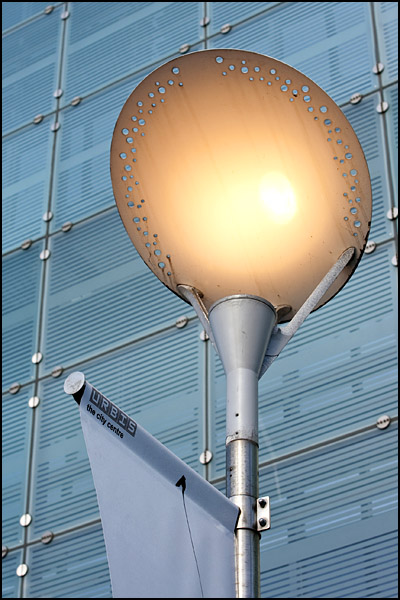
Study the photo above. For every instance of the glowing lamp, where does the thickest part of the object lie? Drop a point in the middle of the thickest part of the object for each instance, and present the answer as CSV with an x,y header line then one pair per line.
x,y
235,174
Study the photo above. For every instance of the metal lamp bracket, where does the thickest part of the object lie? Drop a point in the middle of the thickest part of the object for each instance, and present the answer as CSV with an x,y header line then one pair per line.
x,y
194,296
280,336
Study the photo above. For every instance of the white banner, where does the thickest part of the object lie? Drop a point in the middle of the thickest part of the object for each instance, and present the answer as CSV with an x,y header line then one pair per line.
x,y
168,532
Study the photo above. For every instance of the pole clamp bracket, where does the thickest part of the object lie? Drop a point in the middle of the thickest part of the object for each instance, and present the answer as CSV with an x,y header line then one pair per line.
x,y
253,514
263,514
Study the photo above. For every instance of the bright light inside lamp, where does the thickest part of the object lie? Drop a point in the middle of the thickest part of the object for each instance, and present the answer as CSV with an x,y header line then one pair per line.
x,y
278,197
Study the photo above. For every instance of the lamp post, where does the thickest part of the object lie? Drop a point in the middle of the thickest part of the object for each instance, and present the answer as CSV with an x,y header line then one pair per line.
x,y
245,190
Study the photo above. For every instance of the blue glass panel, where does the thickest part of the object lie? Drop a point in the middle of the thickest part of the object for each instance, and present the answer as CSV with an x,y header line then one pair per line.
x,y
362,569
386,14
26,161
126,38
88,20
20,295
367,123
10,580
63,494
21,107
157,381
100,293
30,78
73,565
14,13
336,375
330,42
333,516
229,13
16,433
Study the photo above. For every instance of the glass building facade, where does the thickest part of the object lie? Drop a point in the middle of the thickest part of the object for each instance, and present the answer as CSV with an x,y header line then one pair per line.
x,y
76,296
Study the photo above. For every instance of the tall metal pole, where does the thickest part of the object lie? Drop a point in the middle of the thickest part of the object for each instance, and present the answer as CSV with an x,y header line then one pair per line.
x,y
242,326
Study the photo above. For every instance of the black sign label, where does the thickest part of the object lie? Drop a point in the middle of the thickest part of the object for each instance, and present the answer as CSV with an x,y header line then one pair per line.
x,y
116,414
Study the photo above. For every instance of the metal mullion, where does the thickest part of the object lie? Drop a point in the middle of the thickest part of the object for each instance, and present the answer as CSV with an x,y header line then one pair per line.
x,y
40,320
66,531
205,16
389,174
50,196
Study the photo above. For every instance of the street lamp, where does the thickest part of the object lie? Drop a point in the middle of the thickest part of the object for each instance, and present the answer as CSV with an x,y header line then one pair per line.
x,y
245,190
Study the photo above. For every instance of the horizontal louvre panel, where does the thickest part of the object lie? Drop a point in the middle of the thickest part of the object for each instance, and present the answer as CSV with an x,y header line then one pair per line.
x,y
36,140
121,47
380,227
229,13
366,122
337,395
18,340
99,293
393,96
321,499
10,579
88,21
72,566
26,158
15,13
22,218
63,494
331,487
336,375
41,35
367,569
30,77
330,42
20,296
161,376
28,97
16,433
84,185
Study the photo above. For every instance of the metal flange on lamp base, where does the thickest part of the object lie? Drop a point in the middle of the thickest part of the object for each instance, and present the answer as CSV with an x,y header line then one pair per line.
x,y
242,326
